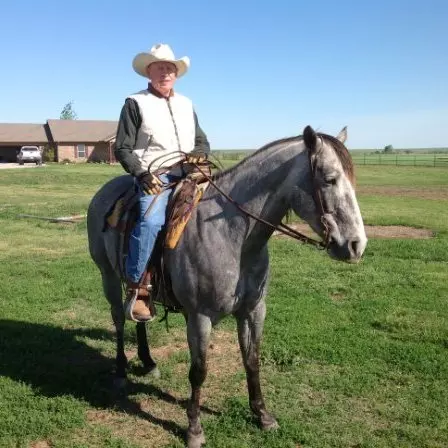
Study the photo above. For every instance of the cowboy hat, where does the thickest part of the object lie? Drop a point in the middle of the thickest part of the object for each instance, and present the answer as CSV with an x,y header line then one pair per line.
x,y
160,52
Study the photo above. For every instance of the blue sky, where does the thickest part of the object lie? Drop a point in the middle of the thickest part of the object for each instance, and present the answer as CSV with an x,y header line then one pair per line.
x,y
260,70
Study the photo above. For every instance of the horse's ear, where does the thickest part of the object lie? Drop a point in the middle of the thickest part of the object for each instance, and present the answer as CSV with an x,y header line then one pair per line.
x,y
309,137
342,136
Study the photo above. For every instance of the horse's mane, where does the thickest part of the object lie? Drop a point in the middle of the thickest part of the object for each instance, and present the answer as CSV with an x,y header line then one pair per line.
x,y
343,155
339,148
249,158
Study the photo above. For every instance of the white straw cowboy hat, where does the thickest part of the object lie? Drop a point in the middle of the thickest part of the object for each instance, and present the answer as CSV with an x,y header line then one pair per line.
x,y
160,52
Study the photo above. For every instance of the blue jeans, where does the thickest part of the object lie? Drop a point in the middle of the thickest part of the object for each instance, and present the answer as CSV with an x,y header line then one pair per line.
x,y
144,234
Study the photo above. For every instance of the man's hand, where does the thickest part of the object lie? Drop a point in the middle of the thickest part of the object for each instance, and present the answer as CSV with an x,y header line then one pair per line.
x,y
150,183
196,158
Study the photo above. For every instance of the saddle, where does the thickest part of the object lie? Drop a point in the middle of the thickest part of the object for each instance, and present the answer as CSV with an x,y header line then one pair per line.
x,y
123,217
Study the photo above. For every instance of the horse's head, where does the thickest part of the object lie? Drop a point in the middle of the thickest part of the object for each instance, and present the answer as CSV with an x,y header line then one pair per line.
x,y
335,213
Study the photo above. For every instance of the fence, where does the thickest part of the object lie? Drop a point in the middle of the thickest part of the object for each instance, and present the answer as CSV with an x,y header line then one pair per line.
x,y
363,158
434,160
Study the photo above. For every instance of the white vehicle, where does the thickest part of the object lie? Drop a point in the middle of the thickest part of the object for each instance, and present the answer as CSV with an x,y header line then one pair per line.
x,y
29,154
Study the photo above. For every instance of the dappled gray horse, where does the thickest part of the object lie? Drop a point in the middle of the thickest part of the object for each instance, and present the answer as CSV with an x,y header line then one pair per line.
x,y
221,264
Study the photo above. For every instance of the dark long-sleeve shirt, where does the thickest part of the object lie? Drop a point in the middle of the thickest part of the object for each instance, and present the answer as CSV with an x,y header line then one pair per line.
x,y
128,127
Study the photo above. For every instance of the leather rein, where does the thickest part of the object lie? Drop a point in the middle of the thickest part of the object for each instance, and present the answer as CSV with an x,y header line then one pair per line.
x,y
281,228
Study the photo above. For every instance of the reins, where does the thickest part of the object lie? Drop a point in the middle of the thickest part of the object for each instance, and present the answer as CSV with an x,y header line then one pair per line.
x,y
282,228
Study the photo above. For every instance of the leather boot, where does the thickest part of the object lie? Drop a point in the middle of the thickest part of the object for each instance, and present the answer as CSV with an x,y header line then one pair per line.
x,y
137,304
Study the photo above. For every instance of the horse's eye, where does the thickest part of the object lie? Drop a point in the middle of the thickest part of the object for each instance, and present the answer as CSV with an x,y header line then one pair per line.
x,y
330,181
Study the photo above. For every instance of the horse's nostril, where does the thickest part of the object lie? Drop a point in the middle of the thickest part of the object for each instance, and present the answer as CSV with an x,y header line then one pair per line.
x,y
354,246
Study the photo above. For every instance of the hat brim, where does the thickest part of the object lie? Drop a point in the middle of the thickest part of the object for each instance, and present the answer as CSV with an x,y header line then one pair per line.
x,y
142,60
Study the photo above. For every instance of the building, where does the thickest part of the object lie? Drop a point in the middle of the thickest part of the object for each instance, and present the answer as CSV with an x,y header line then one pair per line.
x,y
82,140
68,140
15,135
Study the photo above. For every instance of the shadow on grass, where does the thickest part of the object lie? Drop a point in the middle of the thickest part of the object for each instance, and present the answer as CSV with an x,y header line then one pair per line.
x,y
55,362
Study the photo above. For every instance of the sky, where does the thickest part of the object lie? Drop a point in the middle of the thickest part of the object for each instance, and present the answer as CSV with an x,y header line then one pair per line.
x,y
260,70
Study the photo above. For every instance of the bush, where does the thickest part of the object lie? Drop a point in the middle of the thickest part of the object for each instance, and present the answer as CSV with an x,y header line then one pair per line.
x,y
48,154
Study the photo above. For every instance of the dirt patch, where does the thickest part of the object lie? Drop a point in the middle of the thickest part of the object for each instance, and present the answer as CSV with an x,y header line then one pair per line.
x,y
224,361
16,165
419,193
158,420
142,431
224,354
337,296
166,351
40,444
375,231
398,232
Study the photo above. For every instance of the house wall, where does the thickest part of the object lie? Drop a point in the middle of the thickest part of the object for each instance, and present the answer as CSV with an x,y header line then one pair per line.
x,y
95,152
99,152
66,152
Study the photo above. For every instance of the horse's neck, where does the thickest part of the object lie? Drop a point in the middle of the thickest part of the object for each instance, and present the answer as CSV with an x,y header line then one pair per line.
x,y
263,185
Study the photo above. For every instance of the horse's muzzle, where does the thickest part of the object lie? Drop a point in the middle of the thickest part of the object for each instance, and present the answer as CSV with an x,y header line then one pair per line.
x,y
350,251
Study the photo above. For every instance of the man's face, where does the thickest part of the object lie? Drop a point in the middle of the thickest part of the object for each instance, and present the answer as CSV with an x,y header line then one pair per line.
x,y
162,75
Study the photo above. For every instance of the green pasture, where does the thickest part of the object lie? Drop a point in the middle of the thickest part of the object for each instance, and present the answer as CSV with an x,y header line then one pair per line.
x,y
353,356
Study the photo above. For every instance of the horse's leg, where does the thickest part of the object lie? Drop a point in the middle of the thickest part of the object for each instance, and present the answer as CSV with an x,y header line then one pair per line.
x,y
144,354
198,333
250,330
113,293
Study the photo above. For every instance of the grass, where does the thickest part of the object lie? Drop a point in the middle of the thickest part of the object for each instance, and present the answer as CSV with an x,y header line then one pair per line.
x,y
418,177
353,356
410,196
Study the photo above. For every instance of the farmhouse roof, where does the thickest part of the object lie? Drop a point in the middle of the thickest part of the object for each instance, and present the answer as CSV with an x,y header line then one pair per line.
x,y
82,130
22,133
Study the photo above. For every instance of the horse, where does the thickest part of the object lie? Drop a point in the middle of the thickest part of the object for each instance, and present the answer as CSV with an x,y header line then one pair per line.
x,y
220,265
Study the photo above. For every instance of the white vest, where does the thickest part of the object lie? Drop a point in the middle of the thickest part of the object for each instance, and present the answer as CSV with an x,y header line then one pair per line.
x,y
161,118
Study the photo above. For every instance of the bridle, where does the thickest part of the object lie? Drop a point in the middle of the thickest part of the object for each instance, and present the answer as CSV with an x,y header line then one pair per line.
x,y
320,204
282,228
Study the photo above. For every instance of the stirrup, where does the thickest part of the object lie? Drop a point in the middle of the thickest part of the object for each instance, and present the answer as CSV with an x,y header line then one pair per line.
x,y
129,304
130,301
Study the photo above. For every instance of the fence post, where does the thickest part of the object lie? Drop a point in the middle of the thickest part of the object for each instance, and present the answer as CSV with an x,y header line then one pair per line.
x,y
396,159
434,160
415,160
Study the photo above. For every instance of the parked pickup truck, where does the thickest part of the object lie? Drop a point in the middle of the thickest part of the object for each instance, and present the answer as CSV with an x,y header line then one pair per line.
x,y
29,154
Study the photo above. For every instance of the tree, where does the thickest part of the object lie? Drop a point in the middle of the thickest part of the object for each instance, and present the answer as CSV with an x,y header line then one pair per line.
x,y
388,149
68,113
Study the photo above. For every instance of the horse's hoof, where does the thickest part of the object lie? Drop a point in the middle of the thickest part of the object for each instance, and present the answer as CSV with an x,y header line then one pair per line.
x,y
269,423
195,440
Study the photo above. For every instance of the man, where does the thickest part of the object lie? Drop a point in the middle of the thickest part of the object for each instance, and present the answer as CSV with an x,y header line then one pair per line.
x,y
154,123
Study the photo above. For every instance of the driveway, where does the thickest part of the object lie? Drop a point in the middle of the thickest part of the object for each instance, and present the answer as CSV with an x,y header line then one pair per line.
x,y
16,165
